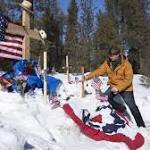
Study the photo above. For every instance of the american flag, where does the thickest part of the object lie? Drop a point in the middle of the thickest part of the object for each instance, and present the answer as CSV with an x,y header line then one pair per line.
x,y
76,80
10,44
100,96
96,83
54,102
53,98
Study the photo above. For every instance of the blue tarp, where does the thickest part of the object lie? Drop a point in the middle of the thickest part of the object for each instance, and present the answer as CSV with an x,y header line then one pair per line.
x,y
53,84
19,67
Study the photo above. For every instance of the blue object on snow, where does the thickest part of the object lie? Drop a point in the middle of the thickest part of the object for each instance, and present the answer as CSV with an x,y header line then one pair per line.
x,y
20,67
110,128
34,82
53,84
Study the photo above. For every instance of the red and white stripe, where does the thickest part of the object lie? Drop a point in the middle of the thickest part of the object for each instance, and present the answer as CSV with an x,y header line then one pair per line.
x,y
11,48
101,97
54,102
96,84
53,99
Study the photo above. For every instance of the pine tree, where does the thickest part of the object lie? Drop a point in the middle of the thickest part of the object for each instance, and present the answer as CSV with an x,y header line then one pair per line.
x,y
106,36
107,33
71,41
138,33
132,19
11,9
115,15
86,32
52,22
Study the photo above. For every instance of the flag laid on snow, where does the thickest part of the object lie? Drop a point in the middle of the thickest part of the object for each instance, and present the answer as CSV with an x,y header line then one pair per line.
x,y
133,143
10,44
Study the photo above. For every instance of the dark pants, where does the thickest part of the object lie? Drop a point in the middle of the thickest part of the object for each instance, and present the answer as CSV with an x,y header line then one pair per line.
x,y
118,103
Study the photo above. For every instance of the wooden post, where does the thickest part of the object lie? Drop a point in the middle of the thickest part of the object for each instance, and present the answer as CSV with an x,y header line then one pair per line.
x,y
24,30
82,83
67,67
45,73
26,41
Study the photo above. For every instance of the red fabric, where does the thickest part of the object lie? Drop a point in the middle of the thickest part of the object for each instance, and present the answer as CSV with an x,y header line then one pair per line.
x,y
99,135
97,118
29,70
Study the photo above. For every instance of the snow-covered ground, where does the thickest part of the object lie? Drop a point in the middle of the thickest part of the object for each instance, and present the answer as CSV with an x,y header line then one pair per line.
x,y
29,123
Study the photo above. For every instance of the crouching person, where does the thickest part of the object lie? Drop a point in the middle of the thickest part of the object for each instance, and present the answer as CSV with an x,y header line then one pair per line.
x,y
120,75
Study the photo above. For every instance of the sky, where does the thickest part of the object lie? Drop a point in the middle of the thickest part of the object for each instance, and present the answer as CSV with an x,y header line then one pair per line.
x,y
65,3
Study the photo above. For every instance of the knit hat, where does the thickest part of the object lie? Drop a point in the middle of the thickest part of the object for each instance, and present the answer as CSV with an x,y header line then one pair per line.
x,y
114,50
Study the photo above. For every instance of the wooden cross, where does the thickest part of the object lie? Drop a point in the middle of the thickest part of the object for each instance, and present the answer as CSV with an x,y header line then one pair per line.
x,y
25,31
82,83
67,67
45,74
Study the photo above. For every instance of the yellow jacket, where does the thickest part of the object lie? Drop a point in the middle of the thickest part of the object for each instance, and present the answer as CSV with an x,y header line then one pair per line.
x,y
121,77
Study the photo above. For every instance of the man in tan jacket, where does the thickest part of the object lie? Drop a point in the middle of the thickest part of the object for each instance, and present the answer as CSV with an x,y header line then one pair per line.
x,y
120,75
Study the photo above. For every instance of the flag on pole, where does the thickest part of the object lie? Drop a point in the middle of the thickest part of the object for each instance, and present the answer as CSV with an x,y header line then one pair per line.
x,y
54,102
100,96
10,44
53,98
96,83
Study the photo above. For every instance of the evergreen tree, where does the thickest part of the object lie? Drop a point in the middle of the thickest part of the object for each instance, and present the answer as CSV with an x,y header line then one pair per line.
x,y
71,41
86,32
11,9
106,36
52,22
107,33
133,24
115,15
138,33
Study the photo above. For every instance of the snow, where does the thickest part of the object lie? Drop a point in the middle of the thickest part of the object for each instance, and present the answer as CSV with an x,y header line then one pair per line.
x,y
30,123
